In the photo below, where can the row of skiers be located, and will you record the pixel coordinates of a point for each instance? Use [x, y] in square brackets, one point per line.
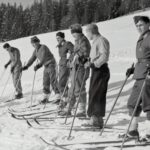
[75, 63]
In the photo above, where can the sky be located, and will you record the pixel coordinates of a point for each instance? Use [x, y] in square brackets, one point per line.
[25, 3]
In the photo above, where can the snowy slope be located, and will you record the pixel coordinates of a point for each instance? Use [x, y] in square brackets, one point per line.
[122, 35]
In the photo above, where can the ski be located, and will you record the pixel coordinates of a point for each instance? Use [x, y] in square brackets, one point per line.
[53, 144]
[19, 117]
[31, 112]
[102, 144]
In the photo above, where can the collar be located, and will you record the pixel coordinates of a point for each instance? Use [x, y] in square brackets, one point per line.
[81, 37]
[38, 47]
[144, 35]
[61, 44]
[11, 49]
[96, 37]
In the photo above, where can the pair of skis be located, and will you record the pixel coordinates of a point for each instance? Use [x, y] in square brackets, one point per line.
[98, 144]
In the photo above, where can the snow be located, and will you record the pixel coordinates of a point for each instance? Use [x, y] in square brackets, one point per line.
[16, 134]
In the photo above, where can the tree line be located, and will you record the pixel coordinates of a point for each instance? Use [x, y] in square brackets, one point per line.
[51, 15]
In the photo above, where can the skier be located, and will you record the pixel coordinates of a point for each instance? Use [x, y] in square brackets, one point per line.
[99, 76]
[81, 53]
[46, 59]
[143, 60]
[65, 49]
[16, 66]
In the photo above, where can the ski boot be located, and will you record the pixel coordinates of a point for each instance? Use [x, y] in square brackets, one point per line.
[19, 96]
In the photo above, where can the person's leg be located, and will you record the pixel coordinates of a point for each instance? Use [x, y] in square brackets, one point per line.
[133, 130]
[71, 97]
[46, 86]
[97, 97]
[17, 82]
[81, 93]
[53, 81]
[146, 109]
[63, 78]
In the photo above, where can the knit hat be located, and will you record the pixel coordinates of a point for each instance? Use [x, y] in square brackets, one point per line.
[76, 28]
[6, 45]
[35, 39]
[60, 34]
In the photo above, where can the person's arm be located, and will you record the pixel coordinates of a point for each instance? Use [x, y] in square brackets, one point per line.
[7, 64]
[70, 48]
[84, 50]
[16, 57]
[43, 55]
[32, 59]
[103, 48]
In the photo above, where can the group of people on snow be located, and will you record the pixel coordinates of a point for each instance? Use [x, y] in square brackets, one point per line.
[76, 62]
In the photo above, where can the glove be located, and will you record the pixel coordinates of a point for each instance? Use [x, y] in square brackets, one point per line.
[12, 69]
[83, 59]
[24, 68]
[5, 66]
[37, 67]
[130, 71]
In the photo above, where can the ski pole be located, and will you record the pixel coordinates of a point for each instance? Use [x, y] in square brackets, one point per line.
[136, 106]
[64, 91]
[2, 74]
[33, 89]
[115, 102]
[77, 105]
[76, 75]
[5, 85]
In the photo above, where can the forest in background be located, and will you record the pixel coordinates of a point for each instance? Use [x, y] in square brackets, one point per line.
[52, 15]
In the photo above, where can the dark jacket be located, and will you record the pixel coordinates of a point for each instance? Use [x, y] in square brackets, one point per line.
[143, 56]
[44, 55]
[64, 48]
[82, 47]
[14, 57]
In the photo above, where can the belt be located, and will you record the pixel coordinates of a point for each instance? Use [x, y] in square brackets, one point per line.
[143, 60]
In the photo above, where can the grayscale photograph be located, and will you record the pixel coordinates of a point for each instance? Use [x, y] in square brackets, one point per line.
[74, 74]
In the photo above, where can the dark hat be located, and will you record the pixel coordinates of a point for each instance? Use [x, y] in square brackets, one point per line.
[61, 34]
[35, 39]
[141, 18]
[6, 45]
[76, 28]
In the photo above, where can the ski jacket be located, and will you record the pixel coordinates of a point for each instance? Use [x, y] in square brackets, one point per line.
[44, 56]
[142, 55]
[82, 48]
[100, 51]
[64, 49]
[14, 54]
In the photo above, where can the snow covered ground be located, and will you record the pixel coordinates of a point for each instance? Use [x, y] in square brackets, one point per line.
[16, 134]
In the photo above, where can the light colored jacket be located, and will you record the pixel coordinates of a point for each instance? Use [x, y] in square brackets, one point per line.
[100, 51]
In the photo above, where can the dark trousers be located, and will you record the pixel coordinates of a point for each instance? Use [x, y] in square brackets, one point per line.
[63, 78]
[49, 78]
[98, 90]
[144, 99]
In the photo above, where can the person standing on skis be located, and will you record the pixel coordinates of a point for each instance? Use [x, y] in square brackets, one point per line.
[142, 24]
[46, 59]
[100, 75]
[65, 49]
[16, 66]
[79, 74]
